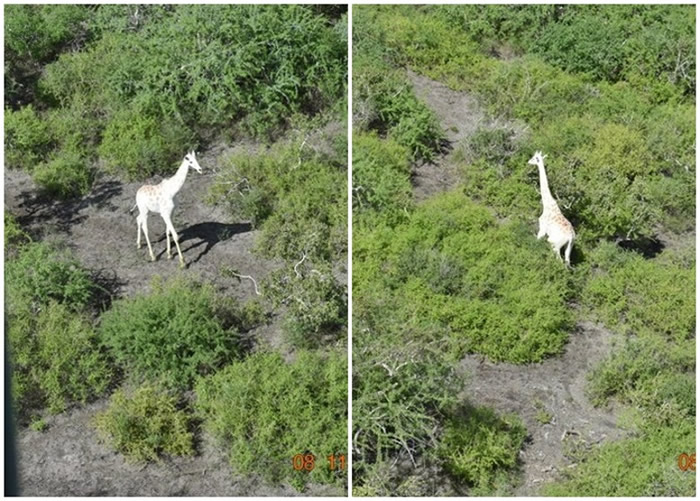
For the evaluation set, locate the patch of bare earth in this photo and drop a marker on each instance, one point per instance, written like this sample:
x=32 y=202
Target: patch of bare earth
x=551 y=390
x=67 y=458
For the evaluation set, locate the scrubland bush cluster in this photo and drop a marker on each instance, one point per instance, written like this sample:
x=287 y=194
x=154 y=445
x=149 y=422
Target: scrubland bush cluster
x=126 y=90
x=130 y=88
x=462 y=271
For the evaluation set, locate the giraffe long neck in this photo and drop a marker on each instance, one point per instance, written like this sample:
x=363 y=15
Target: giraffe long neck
x=174 y=184
x=547 y=198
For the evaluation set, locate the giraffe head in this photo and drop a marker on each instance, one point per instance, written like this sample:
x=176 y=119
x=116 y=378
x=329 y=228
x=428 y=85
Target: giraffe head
x=537 y=158
x=192 y=161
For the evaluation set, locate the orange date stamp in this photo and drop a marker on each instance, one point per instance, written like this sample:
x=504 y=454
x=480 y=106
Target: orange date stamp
x=686 y=462
x=307 y=462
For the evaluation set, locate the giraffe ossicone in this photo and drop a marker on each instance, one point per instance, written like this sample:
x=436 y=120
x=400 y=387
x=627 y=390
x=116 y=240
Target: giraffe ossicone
x=159 y=198
x=553 y=224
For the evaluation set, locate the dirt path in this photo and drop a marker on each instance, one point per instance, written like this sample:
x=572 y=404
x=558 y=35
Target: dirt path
x=554 y=387
x=67 y=458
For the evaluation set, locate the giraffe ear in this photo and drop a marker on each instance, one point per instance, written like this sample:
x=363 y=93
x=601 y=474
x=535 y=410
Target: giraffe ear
x=544 y=156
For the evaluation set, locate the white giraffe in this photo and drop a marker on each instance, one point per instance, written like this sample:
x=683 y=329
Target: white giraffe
x=553 y=224
x=159 y=198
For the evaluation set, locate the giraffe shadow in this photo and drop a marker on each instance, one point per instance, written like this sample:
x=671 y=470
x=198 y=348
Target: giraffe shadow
x=204 y=236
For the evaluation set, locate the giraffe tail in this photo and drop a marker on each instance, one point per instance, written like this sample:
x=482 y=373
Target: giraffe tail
x=134 y=207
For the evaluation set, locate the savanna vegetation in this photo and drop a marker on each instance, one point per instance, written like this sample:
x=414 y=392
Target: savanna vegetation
x=608 y=92
x=123 y=91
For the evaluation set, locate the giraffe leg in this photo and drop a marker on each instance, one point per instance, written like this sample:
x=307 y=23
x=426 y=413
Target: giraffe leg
x=138 y=232
x=144 y=227
x=557 y=251
x=167 y=238
x=567 y=252
x=169 y=226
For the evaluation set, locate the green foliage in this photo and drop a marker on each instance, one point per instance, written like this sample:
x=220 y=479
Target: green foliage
x=384 y=101
x=15 y=236
x=488 y=288
x=642 y=466
x=53 y=350
x=650 y=46
x=316 y=310
x=640 y=296
x=136 y=140
x=180 y=330
x=267 y=411
x=480 y=448
x=380 y=177
x=64 y=175
x=33 y=36
x=27 y=138
x=42 y=273
x=145 y=424
x=140 y=83
x=400 y=394
x=294 y=195
x=55 y=358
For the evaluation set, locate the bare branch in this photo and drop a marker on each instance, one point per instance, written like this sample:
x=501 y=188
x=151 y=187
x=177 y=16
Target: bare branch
x=255 y=284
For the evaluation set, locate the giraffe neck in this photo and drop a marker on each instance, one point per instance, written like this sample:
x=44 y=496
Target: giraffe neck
x=547 y=198
x=174 y=184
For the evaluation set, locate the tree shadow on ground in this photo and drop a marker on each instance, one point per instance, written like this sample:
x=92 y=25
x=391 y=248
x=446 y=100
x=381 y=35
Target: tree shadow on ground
x=41 y=207
x=204 y=236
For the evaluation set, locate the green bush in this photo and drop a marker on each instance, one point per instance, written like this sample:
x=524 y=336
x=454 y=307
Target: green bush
x=634 y=295
x=65 y=174
x=401 y=391
x=54 y=357
x=267 y=411
x=42 y=273
x=138 y=141
x=177 y=332
x=642 y=466
x=138 y=84
x=15 y=236
x=27 y=138
x=316 y=311
x=293 y=195
x=146 y=424
x=481 y=448
x=380 y=177
x=488 y=288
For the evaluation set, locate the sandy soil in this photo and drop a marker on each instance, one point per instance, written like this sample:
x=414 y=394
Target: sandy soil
x=554 y=387
x=67 y=458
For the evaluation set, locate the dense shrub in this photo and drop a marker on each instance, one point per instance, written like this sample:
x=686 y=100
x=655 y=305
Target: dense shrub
x=64 y=174
x=383 y=100
x=33 y=36
x=53 y=349
x=42 y=273
x=380 y=177
x=15 y=236
x=27 y=138
x=481 y=448
x=641 y=466
x=54 y=357
x=267 y=411
x=316 y=311
x=145 y=424
x=137 y=140
x=293 y=195
x=400 y=394
x=178 y=331
x=488 y=288
x=150 y=80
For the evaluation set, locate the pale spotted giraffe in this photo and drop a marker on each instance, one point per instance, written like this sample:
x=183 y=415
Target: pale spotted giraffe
x=159 y=198
x=553 y=224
